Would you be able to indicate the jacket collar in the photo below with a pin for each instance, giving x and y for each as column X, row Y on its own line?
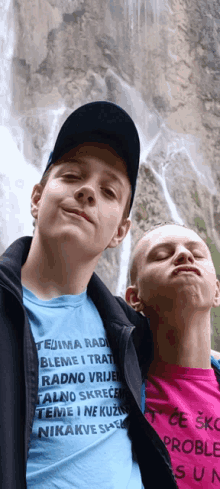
column 11, row 262
column 110, row 308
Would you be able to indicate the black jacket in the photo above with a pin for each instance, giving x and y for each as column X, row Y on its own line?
column 130, row 339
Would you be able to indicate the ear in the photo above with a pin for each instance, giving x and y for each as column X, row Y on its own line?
column 131, row 297
column 35, row 199
column 216, row 301
column 120, row 234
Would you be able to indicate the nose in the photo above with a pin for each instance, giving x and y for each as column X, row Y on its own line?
column 183, row 255
column 86, row 193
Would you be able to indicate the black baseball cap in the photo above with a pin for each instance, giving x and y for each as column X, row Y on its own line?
column 101, row 122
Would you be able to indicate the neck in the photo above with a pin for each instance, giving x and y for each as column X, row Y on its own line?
column 182, row 338
column 54, row 268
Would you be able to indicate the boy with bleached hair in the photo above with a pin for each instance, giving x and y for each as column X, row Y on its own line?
column 174, row 283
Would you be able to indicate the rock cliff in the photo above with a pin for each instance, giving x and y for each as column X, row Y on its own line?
column 159, row 60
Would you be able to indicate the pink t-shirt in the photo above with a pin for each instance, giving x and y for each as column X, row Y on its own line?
column 183, row 406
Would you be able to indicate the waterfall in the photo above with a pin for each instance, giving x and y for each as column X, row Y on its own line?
column 125, row 253
column 56, row 56
column 16, row 175
column 153, row 131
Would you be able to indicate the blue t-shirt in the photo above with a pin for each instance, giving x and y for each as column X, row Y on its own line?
column 79, row 438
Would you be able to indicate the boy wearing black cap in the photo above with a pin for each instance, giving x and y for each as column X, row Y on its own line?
column 68, row 346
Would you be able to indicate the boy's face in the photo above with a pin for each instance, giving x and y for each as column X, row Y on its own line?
column 84, row 200
column 173, row 261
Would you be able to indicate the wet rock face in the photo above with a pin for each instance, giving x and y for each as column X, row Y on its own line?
column 161, row 62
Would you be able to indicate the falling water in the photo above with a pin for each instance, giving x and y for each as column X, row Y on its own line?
column 54, row 116
column 153, row 131
column 17, row 175
column 150, row 132
column 125, row 253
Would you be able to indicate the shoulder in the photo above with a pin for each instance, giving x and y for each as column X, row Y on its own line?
column 215, row 354
column 134, row 317
column 215, row 363
column 113, row 308
column 142, row 336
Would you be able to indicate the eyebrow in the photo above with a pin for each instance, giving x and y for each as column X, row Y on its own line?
column 62, row 165
column 83, row 163
column 114, row 177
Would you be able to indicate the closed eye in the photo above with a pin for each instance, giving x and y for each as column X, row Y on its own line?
column 161, row 256
column 109, row 193
column 198, row 256
column 197, row 253
column 71, row 176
